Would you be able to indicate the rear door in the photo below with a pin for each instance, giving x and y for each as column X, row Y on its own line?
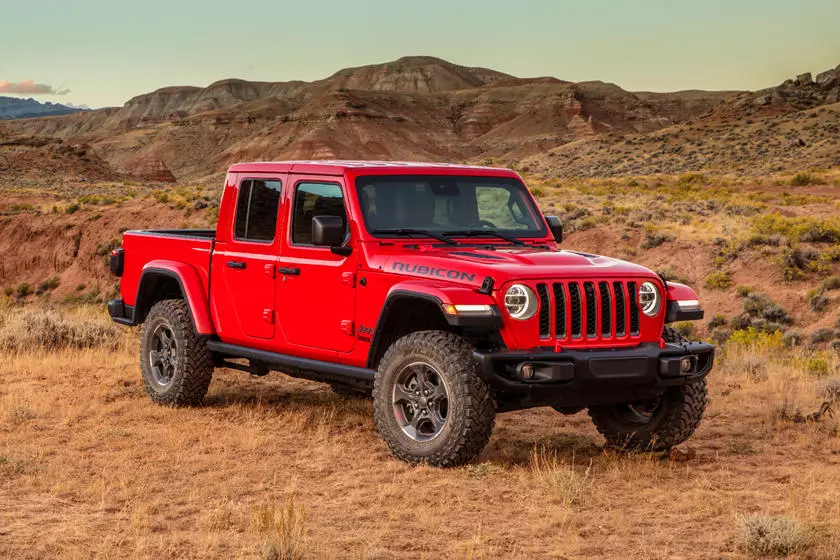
column 316, row 285
column 245, row 261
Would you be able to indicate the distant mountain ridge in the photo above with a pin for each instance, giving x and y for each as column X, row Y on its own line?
column 18, row 108
column 424, row 108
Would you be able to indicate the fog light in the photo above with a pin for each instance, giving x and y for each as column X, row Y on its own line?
column 526, row 371
column 687, row 364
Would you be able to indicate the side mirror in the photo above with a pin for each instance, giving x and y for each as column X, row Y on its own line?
column 556, row 227
column 327, row 231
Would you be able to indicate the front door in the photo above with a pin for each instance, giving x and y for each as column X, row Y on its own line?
column 246, row 262
column 316, row 285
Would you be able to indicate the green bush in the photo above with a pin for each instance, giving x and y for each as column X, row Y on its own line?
column 720, row 280
column 49, row 284
column 685, row 328
column 717, row 321
column 655, row 239
column 805, row 179
column 831, row 283
column 23, row 289
column 72, row 208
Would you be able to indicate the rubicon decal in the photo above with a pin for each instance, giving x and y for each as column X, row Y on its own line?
column 432, row 271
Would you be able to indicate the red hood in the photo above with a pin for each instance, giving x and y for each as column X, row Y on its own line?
column 470, row 264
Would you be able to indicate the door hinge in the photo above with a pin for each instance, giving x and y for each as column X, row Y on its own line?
column 347, row 328
column 349, row 278
column 268, row 316
column 269, row 270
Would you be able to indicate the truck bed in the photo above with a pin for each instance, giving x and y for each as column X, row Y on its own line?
column 165, row 250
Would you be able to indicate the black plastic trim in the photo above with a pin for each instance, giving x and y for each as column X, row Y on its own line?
column 121, row 313
column 674, row 313
column 490, row 323
column 286, row 361
column 603, row 376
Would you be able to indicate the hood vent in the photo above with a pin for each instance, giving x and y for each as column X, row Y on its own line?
column 477, row 255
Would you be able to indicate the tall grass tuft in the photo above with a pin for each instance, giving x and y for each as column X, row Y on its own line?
column 283, row 529
column 37, row 329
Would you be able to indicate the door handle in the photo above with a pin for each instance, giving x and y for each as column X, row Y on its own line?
column 236, row 264
column 288, row 271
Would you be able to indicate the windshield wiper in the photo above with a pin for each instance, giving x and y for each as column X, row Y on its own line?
column 478, row 232
column 408, row 231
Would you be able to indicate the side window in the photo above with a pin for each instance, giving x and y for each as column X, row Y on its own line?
column 256, row 210
column 315, row 199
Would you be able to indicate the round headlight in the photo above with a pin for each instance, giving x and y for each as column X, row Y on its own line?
column 649, row 299
column 521, row 302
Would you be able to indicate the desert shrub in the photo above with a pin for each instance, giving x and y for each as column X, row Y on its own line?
column 49, row 284
column 685, row 328
column 763, row 535
column 719, row 280
column 831, row 283
column 38, row 329
column 759, row 306
column 670, row 275
column 805, row 179
column 717, row 321
column 161, row 197
column 757, row 239
column 792, row 338
column 690, row 180
column 817, row 301
column 655, row 239
column 8, row 291
column 72, row 208
column 821, row 335
column 794, row 262
column 744, row 291
column 538, row 192
column 23, row 289
column 107, row 246
column 800, row 228
column 752, row 337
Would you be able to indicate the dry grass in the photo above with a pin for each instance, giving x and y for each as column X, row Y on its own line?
column 282, row 468
column 763, row 535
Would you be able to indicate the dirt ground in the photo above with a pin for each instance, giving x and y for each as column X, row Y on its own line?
column 90, row 468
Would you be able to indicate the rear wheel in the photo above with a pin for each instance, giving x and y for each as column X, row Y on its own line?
column 175, row 362
column 430, row 405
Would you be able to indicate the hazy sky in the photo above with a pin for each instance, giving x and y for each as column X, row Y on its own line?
column 106, row 51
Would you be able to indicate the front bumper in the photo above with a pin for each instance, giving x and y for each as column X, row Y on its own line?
column 579, row 378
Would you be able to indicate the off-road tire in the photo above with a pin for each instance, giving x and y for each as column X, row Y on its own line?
column 674, row 421
column 194, row 363
column 471, row 412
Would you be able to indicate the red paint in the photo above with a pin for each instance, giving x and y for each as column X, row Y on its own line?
column 318, row 313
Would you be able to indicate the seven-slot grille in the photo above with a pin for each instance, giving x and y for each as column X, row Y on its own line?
column 578, row 310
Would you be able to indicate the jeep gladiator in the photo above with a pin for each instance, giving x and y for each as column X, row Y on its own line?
column 438, row 289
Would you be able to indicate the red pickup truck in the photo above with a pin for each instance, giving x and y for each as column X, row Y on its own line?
column 438, row 288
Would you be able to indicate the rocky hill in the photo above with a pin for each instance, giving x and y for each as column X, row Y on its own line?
column 17, row 108
column 413, row 108
column 425, row 108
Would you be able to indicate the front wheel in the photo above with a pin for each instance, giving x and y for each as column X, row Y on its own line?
column 176, row 364
column 654, row 424
column 430, row 405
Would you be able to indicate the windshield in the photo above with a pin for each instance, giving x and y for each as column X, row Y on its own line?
column 449, row 204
